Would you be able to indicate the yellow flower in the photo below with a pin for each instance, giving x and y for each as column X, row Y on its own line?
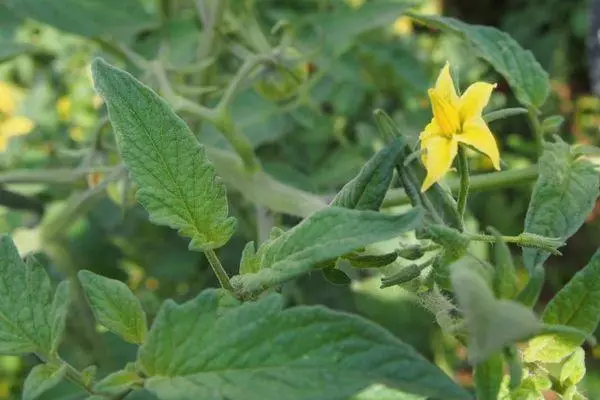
column 455, row 120
column 13, row 126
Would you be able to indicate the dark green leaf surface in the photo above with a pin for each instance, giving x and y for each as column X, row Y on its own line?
column 257, row 351
column 563, row 196
column 526, row 77
column 178, row 185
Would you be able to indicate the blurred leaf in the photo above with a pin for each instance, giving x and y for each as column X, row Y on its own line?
column 381, row 392
column 9, row 49
column 30, row 322
column 323, row 236
column 488, row 377
column 552, row 124
column 576, row 305
column 302, row 352
column 86, row 17
column 505, row 276
column 59, row 311
column 115, row 306
column 117, row 382
column 573, row 368
column 492, row 324
column 525, row 75
column 367, row 190
column 41, row 378
column 336, row 276
column 563, row 196
column 177, row 183
column 529, row 295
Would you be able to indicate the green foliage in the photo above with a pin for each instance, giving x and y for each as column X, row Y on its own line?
column 576, row 305
column 115, row 306
column 505, row 282
column 177, row 183
column 118, row 382
column 31, row 323
column 304, row 352
column 563, row 196
column 573, row 368
column 42, row 378
column 526, row 77
column 325, row 235
column 488, row 377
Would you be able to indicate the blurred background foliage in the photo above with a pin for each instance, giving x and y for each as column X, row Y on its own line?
column 64, row 201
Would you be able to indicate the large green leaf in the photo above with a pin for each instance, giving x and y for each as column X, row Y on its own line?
column 10, row 49
column 367, row 190
column 178, row 185
column 115, row 306
column 258, row 351
column 488, row 377
column 492, row 324
column 42, row 378
column 563, row 196
column 526, row 77
column 86, row 17
column 576, row 305
column 29, row 322
column 325, row 235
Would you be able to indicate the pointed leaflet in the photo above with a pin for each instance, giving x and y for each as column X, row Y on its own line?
column 115, row 306
column 256, row 351
column 576, row 305
column 178, row 185
column 524, row 74
column 563, row 196
column 28, row 319
column 367, row 190
column 492, row 324
column 42, row 377
column 85, row 17
column 324, row 236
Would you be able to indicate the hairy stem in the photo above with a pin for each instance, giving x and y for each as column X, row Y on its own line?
column 536, row 127
column 218, row 269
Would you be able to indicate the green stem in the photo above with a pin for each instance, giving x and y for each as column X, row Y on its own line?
column 481, row 182
column 218, row 269
column 236, row 83
column 536, row 127
column 521, row 240
column 463, row 194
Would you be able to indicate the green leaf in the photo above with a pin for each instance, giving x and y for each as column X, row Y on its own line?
column 358, row 260
column 336, row 276
column 492, row 324
column 178, row 185
column 526, row 77
column 59, row 311
column 367, row 190
column 576, row 305
column 115, row 306
column 325, row 235
column 563, row 196
column 573, row 368
column 530, row 294
column 488, row 377
column 552, row 124
column 381, row 392
column 42, row 377
column 10, row 49
column 505, row 282
column 28, row 319
column 259, row 351
column 86, row 17
column 117, row 382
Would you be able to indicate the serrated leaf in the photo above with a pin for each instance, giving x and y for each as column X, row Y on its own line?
column 259, row 351
column 59, row 311
column 42, row 378
column 324, row 236
column 576, row 305
column 86, row 17
column 178, row 185
column 115, row 306
column 117, row 382
column 492, row 324
column 488, row 376
column 573, row 368
column 27, row 315
column 367, row 190
column 526, row 77
column 563, row 196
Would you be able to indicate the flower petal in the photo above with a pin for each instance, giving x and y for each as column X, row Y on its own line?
column 474, row 100
column 444, row 86
column 477, row 134
column 15, row 126
column 7, row 100
column 440, row 154
column 444, row 113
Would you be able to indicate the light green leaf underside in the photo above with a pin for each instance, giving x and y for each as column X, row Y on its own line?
column 576, row 305
column 257, row 351
column 526, row 77
column 115, row 306
column 41, row 378
column 563, row 196
column 177, row 183
column 325, row 235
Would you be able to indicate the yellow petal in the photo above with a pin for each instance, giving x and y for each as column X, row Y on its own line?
column 477, row 134
column 15, row 126
column 474, row 100
column 440, row 154
column 7, row 99
column 445, row 114
column 431, row 130
column 444, row 87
